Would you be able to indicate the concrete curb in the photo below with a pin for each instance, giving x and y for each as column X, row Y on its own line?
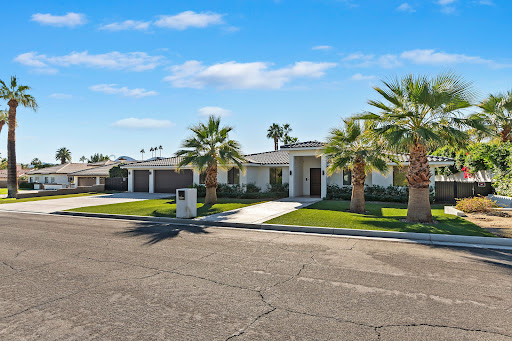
column 426, row 238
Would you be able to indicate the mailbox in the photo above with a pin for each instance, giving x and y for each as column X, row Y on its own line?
column 186, row 203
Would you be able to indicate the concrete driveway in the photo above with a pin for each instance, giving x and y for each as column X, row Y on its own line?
column 70, row 278
column 54, row 205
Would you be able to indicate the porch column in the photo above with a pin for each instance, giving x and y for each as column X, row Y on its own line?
column 75, row 181
column 151, row 181
column 323, row 177
column 130, row 180
column 98, row 180
column 291, row 181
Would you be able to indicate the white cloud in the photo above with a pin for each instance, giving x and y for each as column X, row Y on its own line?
column 321, row 47
column 361, row 77
column 111, row 89
column 126, row 25
column 367, row 60
column 433, row 57
column 447, row 6
column 445, row 2
column 189, row 19
column 486, row 2
column 233, row 75
column 405, row 7
column 132, row 61
column 142, row 123
column 215, row 111
column 60, row 96
column 69, row 20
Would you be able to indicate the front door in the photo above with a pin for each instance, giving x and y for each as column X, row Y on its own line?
column 315, row 184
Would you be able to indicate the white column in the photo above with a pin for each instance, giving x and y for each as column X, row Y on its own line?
column 291, row 181
column 151, row 181
column 75, row 181
column 196, row 176
column 98, row 180
column 130, row 180
column 323, row 177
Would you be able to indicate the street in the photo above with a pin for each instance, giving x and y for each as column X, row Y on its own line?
column 71, row 278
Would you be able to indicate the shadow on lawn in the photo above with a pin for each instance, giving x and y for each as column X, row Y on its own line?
column 157, row 232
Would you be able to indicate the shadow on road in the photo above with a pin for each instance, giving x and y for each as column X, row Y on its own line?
column 157, row 232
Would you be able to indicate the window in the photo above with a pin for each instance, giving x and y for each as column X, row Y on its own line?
column 70, row 179
column 45, row 179
column 347, row 177
column 234, row 176
column 399, row 176
column 37, row 179
column 52, row 180
column 202, row 178
column 30, row 180
column 276, row 176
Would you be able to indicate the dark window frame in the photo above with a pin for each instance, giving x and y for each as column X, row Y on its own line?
column 234, row 176
column 276, row 175
column 347, row 177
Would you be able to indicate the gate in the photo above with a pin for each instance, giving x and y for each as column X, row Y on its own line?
column 447, row 191
column 116, row 184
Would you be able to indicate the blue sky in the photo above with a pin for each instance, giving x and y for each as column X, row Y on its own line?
column 117, row 76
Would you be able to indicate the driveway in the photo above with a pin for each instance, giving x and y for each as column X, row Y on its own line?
column 54, row 205
column 257, row 214
column 70, row 278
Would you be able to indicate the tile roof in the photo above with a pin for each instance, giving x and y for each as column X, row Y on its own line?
column 307, row 144
column 60, row 169
column 21, row 172
column 95, row 171
column 164, row 162
column 101, row 163
column 278, row 157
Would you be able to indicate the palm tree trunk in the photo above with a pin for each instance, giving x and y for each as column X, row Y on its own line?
column 357, row 202
column 12, row 174
column 418, row 175
column 276, row 143
column 505, row 134
column 1, row 125
column 211, row 184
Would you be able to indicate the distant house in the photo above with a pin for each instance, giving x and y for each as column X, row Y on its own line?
column 3, row 174
column 297, row 164
column 69, row 174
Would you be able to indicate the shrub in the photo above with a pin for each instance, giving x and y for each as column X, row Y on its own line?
column 476, row 204
column 374, row 193
column 249, row 191
column 118, row 172
column 25, row 185
column 277, row 188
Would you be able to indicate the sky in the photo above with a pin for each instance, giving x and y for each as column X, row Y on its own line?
column 115, row 77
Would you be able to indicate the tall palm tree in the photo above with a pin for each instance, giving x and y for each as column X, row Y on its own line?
column 3, row 119
column 15, row 95
column 357, row 148
column 275, row 131
column 497, row 111
column 208, row 147
column 83, row 159
column 63, row 155
column 152, row 150
column 160, row 148
column 419, row 114
column 142, row 152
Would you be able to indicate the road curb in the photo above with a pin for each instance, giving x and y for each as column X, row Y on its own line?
column 428, row 238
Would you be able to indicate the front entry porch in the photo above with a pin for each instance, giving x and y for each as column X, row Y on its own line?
column 308, row 176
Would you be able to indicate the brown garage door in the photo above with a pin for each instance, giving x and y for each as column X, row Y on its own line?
column 167, row 181
column 141, row 181
column 86, row 181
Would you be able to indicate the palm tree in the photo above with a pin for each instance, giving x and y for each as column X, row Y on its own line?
column 98, row 157
column 63, row 155
column 160, row 148
column 418, row 114
column 142, row 152
column 275, row 131
column 3, row 118
column 152, row 150
column 497, row 111
column 83, row 159
column 15, row 95
column 209, row 146
column 357, row 148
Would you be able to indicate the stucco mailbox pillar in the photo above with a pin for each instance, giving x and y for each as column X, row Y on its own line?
column 186, row 203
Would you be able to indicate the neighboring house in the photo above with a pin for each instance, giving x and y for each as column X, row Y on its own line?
column 64, row 175
column 296, row 164
column 93, row 175
column 3, row 174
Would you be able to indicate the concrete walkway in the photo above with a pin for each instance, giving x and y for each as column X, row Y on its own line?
column 257, row 214
column 54, row 205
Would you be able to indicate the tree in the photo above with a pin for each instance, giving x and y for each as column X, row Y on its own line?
column 98, row 158
column 15, row 95
column 208, row 147
column 357, row 148
column 151, row 150
column 63, row 155
column 497, row 113
column 160, row 148
column 3, row 118
column 142, row 152
column 275, row 131
column 418, row 114
column 83, row 159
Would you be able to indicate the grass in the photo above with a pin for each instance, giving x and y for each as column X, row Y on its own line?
column 167, row 207
column 3, row 190
column 49, row 197
column 381, row 216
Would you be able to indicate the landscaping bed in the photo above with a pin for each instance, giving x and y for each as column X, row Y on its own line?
column 380, row 216
column 167, row 207
column 496, row 222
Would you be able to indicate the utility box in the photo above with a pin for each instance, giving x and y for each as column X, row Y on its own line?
column 186, row 203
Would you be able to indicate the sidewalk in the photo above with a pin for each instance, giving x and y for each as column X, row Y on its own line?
column 257, row 214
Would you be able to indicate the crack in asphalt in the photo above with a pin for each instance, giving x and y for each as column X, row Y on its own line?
column 377, row 329
column 8, row 265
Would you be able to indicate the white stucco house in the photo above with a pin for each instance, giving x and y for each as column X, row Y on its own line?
column 297, row 164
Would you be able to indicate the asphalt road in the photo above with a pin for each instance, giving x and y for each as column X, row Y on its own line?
column 69, row 278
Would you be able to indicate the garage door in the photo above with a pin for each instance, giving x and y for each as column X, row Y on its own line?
column 86, row 181
column 141, row 181
column 167, row 181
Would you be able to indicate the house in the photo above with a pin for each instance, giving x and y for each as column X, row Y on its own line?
column 69, row 174
column 3, row 174
column 297, row 164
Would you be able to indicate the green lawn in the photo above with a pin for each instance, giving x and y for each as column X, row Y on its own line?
column 381, row 216
column 3, row 190
column 167, row 207
column 10, row 201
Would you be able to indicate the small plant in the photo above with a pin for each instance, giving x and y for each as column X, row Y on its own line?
column 476, row 204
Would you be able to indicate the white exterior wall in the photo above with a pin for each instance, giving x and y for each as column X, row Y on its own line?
column 379, row 179
column 260, row 176
column 59, row 178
